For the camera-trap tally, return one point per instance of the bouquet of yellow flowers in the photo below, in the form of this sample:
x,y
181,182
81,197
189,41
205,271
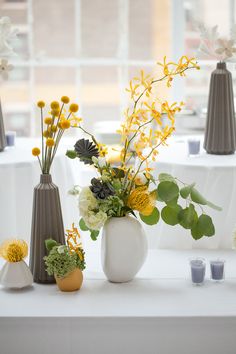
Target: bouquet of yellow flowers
x,y
130,188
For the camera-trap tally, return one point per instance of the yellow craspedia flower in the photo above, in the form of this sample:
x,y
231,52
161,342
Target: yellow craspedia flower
x,y
65,124
141,200
41,104
74,107
55,105
14,250
65,99
50,142
48,120
55,112
52,129
35,151
46,134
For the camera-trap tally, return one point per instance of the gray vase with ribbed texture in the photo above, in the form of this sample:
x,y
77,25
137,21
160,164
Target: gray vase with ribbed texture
x,y
220,132
2,131
47,222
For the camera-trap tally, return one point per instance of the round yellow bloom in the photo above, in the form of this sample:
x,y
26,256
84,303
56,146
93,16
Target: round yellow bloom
x,y
41,104
50,142
48,120
46,134
141,200
74,107
53,129
14,250
55,105
65,124
35,151
55,112
65,99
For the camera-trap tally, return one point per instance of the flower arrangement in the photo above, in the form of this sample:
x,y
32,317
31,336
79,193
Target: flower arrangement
x,y
7,34
14,250
53,127
215,46
64,259
127,188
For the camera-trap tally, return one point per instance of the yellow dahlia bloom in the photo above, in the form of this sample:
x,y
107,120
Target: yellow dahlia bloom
x,y
141,200
35,151
14,250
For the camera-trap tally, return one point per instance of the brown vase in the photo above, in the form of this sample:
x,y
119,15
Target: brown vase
x,y
2,131
47,223
71,282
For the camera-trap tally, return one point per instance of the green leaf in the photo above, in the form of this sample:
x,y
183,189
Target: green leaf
x,y
170,214
188,217
167,191
213,206
196,233
94,234
50,243
173,202
82,225
185,191
205,225
72,154
151,219
118,172
166,177
197,197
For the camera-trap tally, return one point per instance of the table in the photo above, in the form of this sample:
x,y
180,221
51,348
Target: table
x,y
19,174
159,312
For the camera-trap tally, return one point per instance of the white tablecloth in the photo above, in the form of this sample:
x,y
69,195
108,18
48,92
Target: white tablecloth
x,y
19,174
159,312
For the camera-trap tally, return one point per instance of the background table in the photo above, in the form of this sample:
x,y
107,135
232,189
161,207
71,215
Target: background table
x,y
159,312
19,174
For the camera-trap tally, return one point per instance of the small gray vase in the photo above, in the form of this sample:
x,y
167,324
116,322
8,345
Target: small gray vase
x,y
47,223
2,131
220,132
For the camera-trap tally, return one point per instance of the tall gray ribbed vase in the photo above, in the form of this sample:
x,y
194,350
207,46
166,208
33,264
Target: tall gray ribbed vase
x,y
2,131
220,132
47,223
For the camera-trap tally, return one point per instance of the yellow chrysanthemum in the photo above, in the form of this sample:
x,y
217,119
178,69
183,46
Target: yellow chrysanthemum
x,y
50,142
48,120
14,250
74,107
65,124
35,151
41,104
55,105
65,99
141,200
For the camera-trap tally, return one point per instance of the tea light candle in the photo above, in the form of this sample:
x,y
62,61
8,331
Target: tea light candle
x,y
10,138
217,269
198,270
193,146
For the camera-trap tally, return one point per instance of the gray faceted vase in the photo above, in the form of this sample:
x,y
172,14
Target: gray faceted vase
x,y
220,132
2,131
47,223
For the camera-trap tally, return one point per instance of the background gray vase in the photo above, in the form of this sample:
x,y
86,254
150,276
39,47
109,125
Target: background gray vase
x,y
2,131
47,222
220,133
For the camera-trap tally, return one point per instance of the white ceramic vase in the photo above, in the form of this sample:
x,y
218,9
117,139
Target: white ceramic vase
x,y
124,248
16,275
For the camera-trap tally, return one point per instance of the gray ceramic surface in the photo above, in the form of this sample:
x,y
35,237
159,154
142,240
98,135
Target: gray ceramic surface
x,y
2,131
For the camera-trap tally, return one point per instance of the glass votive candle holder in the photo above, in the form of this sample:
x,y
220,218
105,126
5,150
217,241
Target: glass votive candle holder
x,y
193,146
198,270
217,270
10,138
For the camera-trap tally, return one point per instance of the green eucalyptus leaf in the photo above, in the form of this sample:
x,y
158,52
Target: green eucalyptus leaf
x,y
166,177
185,191
50,243
94,234
213,206
151,219
170,214
196,232
173,202
188,217
167,190
205,225
197,197
82,225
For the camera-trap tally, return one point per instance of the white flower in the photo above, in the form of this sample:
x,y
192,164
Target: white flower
x,y
7,34
87,201
61,249
225,48
101,162
74,191
95,221
5,68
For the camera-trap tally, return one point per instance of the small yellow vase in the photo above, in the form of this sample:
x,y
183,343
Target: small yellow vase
x,y
71,282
